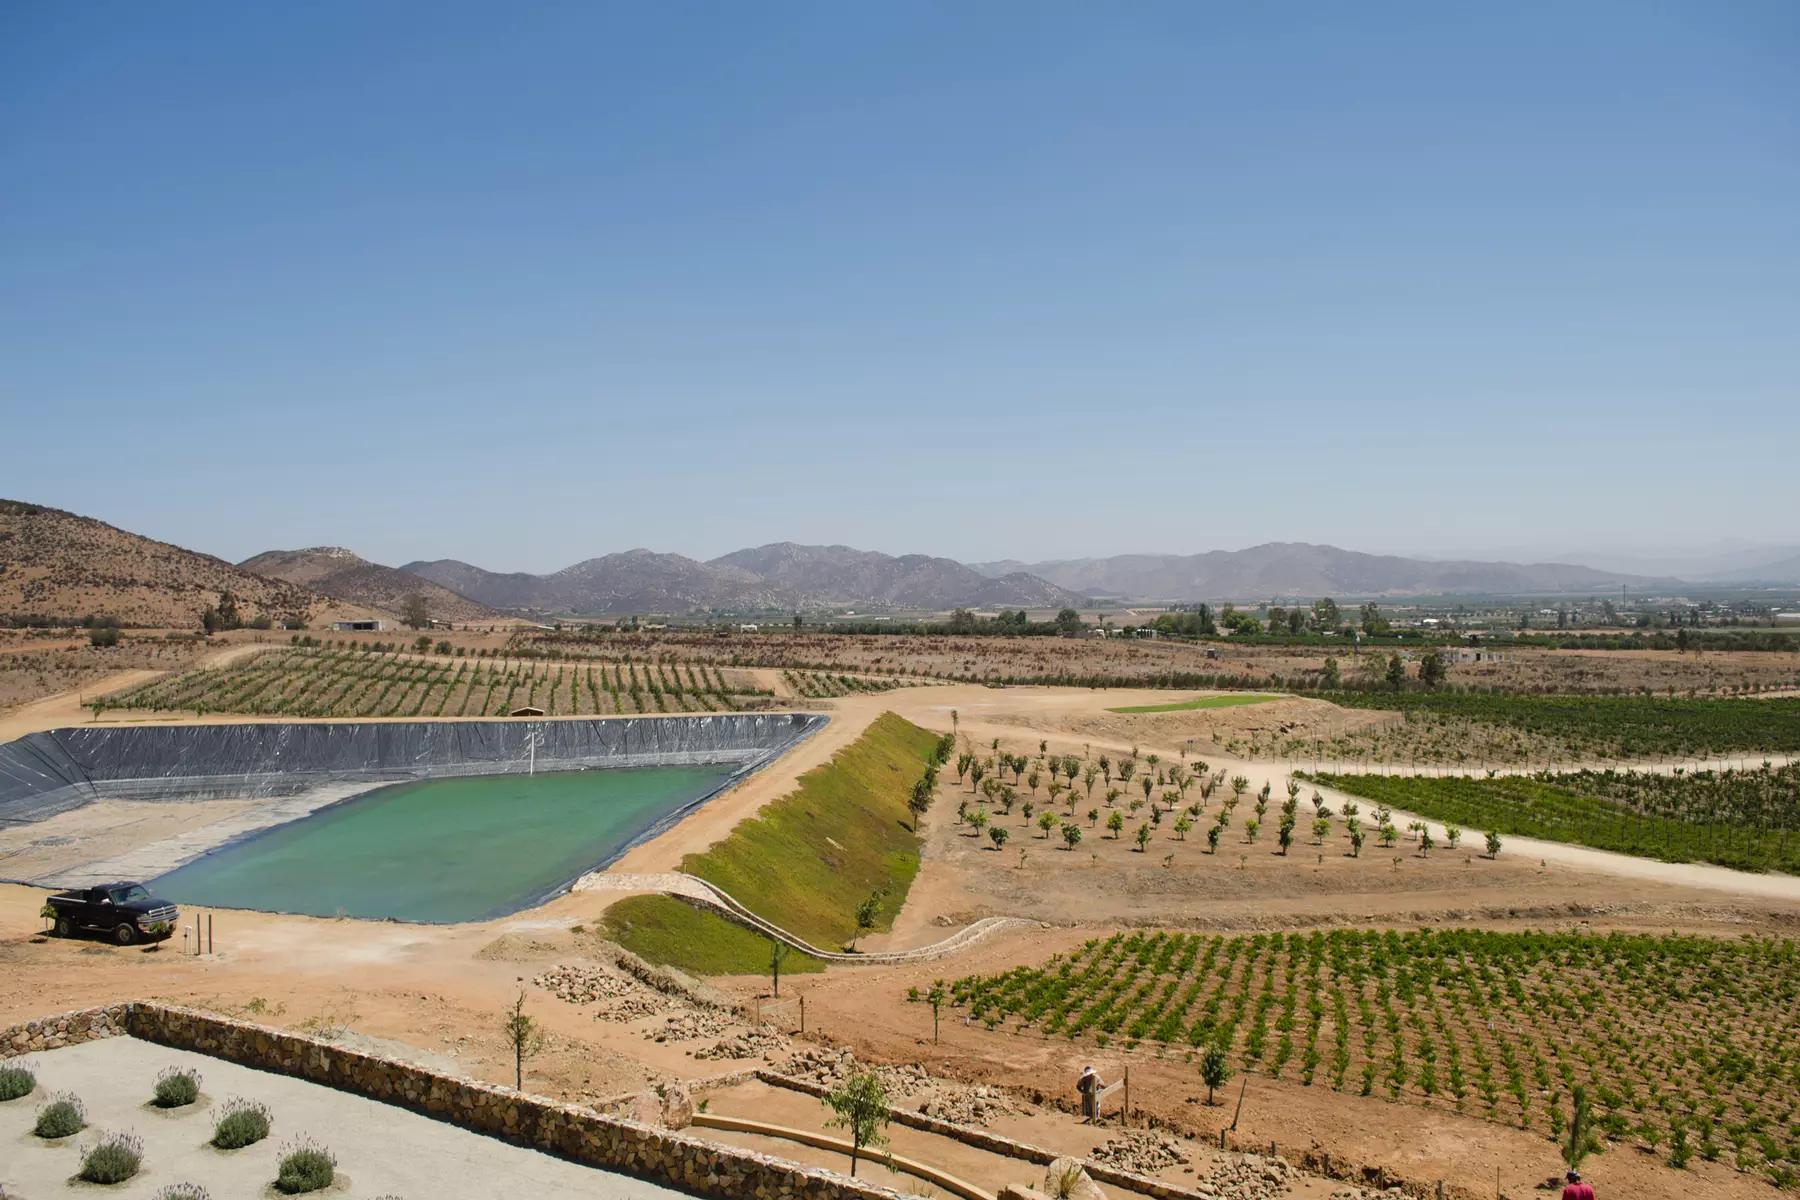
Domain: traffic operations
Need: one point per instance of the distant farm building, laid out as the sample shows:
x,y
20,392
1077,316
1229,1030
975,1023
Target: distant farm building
x,y
359,626
526,711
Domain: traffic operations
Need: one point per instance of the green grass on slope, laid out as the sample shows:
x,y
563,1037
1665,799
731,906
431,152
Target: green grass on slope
x,y
1197,702
806,861
661,929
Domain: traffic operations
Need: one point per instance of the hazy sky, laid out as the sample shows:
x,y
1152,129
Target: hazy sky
x,y
521,284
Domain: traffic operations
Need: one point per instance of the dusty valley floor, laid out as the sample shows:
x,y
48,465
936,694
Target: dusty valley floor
x,y
437,992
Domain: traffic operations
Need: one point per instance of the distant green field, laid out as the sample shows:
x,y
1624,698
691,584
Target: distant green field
x,y
1231,701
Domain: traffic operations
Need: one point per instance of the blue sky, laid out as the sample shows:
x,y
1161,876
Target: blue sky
x,y
521,284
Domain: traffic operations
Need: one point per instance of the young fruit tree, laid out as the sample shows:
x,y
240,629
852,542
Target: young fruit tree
x,y
860,1105
778,952
1215,1071
525,1038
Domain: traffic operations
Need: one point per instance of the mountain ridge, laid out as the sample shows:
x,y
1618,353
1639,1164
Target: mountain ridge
x,y
1304,569
779,575
62,565
345,575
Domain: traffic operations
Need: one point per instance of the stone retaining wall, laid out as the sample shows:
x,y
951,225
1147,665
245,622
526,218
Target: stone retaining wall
x,y
566,1130
981,1139
64,1029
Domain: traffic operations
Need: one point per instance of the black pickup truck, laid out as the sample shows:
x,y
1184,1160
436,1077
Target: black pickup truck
x,y
125,912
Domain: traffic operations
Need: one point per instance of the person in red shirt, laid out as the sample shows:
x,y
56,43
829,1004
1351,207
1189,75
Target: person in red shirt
x,y
1577,1190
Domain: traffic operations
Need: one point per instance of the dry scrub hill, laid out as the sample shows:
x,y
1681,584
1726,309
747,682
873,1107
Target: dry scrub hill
x,y
344,575
57,564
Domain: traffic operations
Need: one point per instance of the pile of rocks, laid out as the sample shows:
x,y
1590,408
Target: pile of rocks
x,y
1142,1151
751,1043
821,1065
686,1026
967,1106
1249,1177
622,999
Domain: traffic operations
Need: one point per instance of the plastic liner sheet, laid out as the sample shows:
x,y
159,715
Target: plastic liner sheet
x,y
46,773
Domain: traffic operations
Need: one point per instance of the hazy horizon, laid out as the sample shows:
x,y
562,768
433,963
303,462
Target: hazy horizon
x,y
1046,281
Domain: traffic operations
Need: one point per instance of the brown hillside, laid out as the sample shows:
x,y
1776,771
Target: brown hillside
x,y
347,576
57,564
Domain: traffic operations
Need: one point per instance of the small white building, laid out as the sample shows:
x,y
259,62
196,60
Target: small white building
x,y
359,626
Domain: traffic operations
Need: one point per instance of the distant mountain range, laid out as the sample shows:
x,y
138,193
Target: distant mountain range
x,y
347,576
782,576
58,564
1303,570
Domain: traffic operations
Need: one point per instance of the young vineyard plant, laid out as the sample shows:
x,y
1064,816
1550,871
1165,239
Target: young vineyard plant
x,y
1634,1039
1747,819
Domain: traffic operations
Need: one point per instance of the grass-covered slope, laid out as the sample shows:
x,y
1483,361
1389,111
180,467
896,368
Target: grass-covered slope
x,y
805,862
664,930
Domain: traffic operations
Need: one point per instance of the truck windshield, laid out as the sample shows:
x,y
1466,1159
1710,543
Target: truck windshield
x,y
129,895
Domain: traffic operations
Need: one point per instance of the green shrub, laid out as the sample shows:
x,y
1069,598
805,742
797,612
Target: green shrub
x,y
183,1191
241,1123
305,1167
113,1159
177,1087
62,1117
16,1081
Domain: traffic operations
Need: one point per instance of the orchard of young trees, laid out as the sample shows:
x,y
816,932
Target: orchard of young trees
x,y
1676,1040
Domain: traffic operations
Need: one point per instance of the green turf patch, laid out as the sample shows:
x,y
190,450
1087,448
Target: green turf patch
x,y
1231,701
808,859
663,930
805,862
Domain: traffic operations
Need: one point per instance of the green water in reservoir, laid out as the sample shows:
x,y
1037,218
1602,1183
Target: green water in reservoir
x,y
442,849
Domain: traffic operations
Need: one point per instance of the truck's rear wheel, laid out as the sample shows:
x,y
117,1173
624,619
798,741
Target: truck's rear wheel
x,y
125,934
65,927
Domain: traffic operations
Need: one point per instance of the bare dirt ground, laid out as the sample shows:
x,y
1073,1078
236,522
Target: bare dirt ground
x,y
101,830
442,989
32,670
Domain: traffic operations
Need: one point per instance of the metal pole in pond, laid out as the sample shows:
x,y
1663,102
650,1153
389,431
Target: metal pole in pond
x,y
533,740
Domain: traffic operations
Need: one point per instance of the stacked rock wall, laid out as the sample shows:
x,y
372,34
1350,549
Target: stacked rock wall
x,y
566,1130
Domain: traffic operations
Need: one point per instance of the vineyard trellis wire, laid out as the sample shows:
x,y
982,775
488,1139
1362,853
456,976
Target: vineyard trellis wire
x,y
1667,1033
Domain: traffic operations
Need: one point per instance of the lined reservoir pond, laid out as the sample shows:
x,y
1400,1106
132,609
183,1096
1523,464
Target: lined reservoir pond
x,y
443,849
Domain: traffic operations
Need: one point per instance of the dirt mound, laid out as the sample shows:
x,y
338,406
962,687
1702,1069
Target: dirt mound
x,y
517,947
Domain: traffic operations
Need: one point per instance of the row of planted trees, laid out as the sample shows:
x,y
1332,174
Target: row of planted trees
x,y
1684,1045
1177,794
